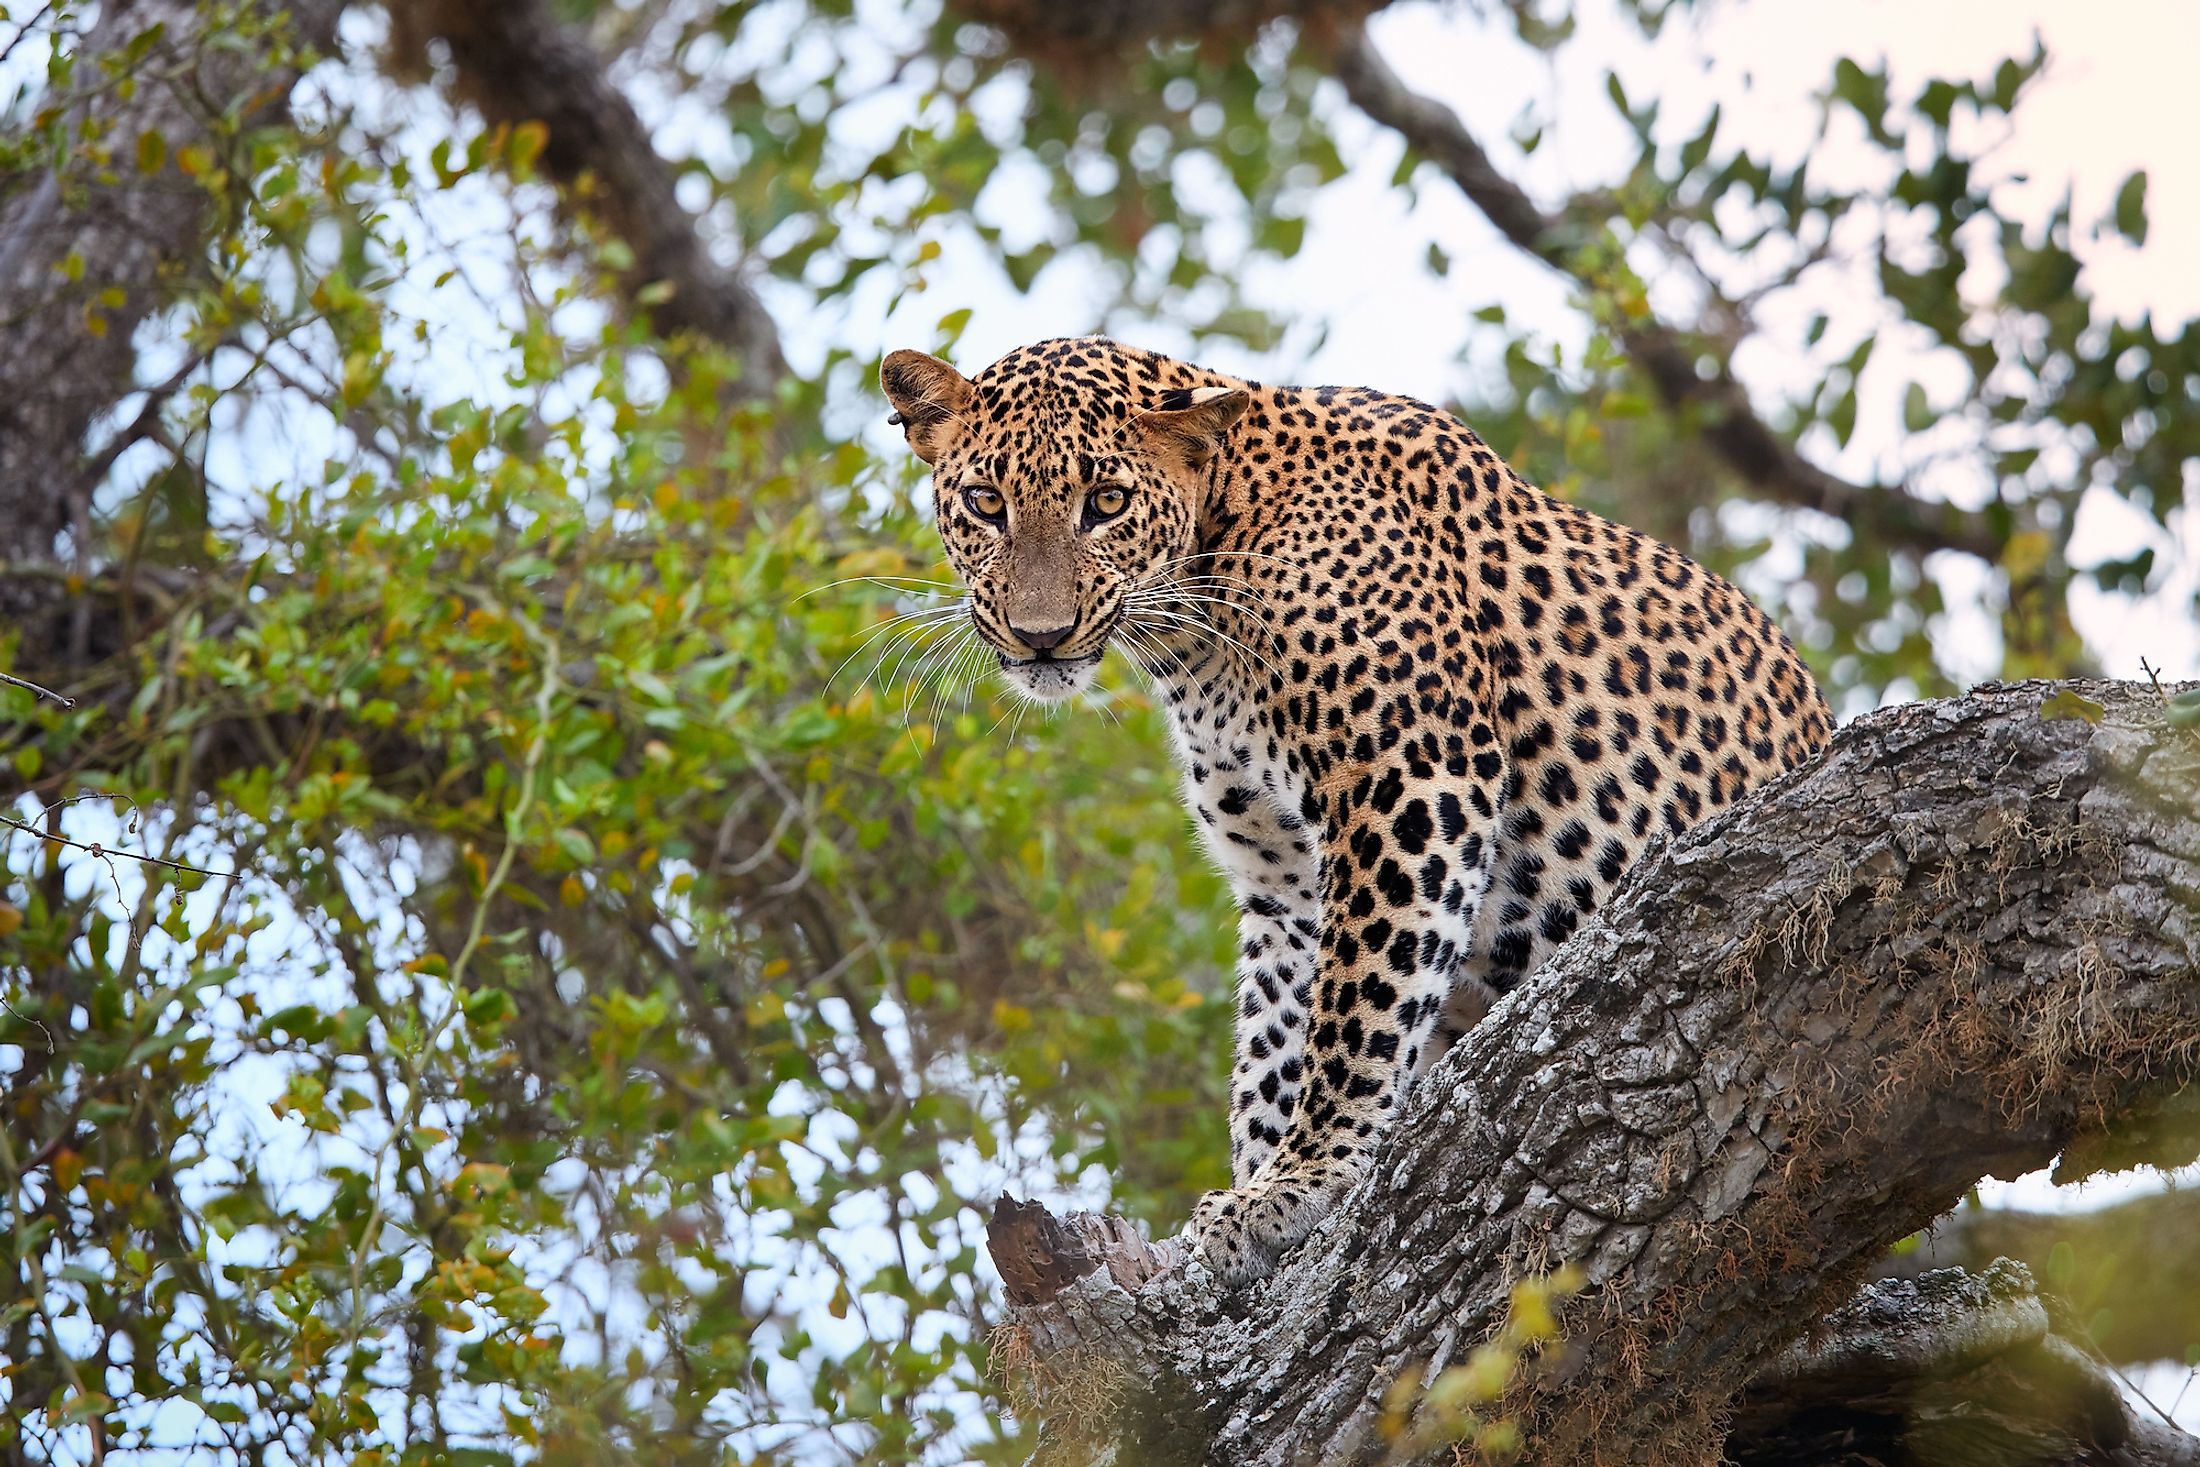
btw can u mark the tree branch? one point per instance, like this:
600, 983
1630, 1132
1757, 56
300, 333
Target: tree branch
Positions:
1071, 33
1947, 1368
1960, 943
1761, 457
2130, 1272
518, 63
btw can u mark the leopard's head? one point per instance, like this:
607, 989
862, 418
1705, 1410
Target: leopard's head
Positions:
1066, 476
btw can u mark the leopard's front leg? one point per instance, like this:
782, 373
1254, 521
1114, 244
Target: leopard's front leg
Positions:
1406, 862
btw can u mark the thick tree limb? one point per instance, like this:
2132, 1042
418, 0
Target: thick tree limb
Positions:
1761, 457
69, 237
1072, 33
1947, 1369
1959, 944
517, 63
2131, 1272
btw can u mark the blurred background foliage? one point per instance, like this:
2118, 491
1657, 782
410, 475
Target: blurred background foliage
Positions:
608, 937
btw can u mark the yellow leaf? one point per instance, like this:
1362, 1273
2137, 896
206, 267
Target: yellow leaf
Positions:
2025, 554
572, 891
1010, 1018
1531, 1311
67, 1167
524, 147
152, 151
11, 918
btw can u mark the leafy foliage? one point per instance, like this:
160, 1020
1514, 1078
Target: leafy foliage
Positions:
603, 955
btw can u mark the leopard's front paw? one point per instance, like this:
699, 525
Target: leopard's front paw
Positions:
1240, 1233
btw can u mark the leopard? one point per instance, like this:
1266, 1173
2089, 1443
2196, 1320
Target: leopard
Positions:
1426, 715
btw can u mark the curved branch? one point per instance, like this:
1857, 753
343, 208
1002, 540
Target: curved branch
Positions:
1761, 457
1072, 33
1960, 943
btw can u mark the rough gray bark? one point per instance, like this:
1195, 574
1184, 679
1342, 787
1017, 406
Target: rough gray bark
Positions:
1959, 944
68, 235
518, 63
1766, 461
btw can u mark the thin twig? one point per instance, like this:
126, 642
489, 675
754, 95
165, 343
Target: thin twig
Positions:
22, 682
96, 849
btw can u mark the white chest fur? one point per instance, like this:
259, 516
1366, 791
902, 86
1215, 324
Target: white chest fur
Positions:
1248, 804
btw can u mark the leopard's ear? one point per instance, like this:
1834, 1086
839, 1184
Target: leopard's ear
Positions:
1189, 428
929, 398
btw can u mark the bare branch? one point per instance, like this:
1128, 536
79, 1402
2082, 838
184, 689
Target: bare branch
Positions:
18, 682
1960, 943
1882, 514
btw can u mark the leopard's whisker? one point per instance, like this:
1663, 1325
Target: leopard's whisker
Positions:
937, 659
897, 584
960, 670
1151, 651
912, 635
906, 621
921, 645
1198, 623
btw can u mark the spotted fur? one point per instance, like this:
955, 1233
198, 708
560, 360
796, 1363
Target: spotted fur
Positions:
1426, 714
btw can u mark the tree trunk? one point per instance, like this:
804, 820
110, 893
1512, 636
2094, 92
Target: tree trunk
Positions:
88, 250
1959, 944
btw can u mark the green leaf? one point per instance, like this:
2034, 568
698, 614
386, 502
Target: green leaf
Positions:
2070, 704
1917, 409
1698, 148
1938, 102
1866, 92
488, 1007
2131, 208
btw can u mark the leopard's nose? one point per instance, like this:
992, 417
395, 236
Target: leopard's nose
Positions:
1039, 639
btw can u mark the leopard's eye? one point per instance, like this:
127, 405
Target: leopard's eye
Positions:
986, 503
1106, 502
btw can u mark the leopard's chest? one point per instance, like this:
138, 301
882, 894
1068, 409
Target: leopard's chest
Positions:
1245, 794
